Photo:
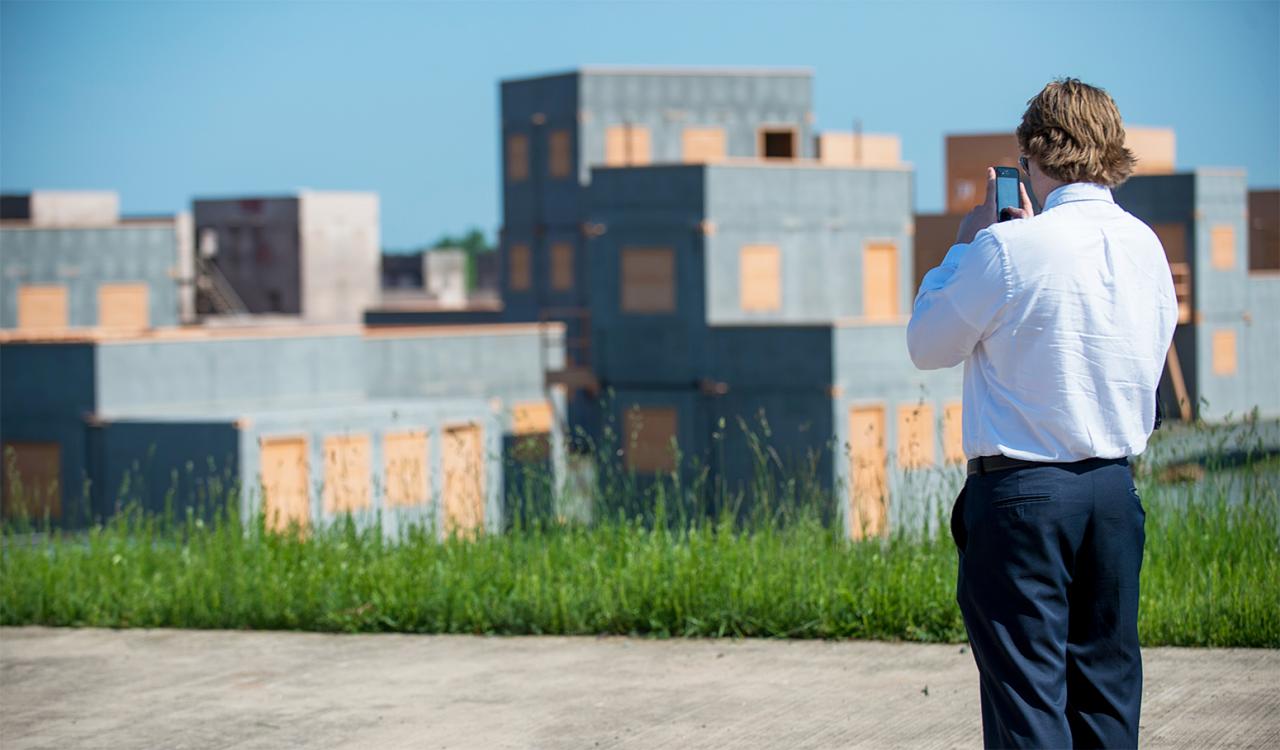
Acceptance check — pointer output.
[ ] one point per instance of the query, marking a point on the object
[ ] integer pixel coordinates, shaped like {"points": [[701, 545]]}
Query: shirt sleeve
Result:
{"points": [[959, 303]]}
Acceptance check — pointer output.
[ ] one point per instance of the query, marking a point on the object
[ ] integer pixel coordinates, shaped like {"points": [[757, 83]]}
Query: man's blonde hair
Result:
{"points": [[1073, 132]]}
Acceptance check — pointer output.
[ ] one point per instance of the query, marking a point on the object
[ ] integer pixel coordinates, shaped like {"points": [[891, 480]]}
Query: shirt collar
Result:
{"points": [[1078, 191]]}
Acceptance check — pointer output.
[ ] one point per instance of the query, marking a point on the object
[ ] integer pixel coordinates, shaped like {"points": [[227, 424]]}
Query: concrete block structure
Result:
{"points": [[555, 128], [69, 262], [773, 294], [315, 255], [305, 423], [1228, 337]]}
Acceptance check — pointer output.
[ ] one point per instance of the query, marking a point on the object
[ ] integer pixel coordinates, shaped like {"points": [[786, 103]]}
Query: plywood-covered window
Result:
{"points": [[915, 436], [348, 473], [531, 423], [626, 145], [760, 278], [531, 418], [517, 157], [868, 465], [286, 478], [648, 435], [953, 433], [123, 306], [519, 267], [559, 153], [1224, 352], [702, 145], [462, 461], [32, 481], [405, 458], [648, 280], [42, 307], [880, 280], [562, 266], [1222, 247], [780, 142]]}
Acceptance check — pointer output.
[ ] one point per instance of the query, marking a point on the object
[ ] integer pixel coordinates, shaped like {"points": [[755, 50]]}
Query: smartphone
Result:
{"points": [[1006, 192]]}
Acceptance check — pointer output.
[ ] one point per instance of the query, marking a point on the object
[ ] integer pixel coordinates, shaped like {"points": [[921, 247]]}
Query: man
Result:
{"points": [[1062, 321]]}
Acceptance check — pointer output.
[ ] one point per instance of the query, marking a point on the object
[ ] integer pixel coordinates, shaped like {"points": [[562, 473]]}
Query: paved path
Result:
{"points": [[200, 689]]}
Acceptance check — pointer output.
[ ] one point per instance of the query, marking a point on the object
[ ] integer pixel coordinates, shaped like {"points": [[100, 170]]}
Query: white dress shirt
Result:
{"points": [[1062, 322]]}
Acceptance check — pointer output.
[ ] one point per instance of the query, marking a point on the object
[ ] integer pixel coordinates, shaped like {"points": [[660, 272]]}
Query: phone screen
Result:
{"points": [[1006, 191]]}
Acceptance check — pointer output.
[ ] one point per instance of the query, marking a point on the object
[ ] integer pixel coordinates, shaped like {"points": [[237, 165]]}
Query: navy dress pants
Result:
{"points": [[1048, 586]]}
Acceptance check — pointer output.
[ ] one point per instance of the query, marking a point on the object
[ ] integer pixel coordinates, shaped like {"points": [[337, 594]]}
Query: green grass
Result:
{"points": [[1211, 575]]}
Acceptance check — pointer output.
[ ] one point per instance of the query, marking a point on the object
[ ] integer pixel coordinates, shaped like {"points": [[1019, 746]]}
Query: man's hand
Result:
{"points": [[983, 215]]}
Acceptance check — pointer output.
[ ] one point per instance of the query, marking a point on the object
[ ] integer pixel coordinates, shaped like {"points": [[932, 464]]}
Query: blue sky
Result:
{"points": [[163, 101]]}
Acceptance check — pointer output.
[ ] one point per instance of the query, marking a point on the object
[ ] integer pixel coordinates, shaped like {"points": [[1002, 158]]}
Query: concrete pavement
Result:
{"points": [[62, 688]]}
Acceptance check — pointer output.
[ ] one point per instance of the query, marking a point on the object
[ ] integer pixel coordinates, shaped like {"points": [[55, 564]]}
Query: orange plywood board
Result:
{"points": [[869, 488], [859, 149], [627, 145], [1222, 247], [915, 436], [1225, 361], [880, 280], [405, 477], [347, 473], [953, 433], [123, 306], [42, 307], [760, 278], [702, 145], [286, 477], [532, 418], [462, 462]]}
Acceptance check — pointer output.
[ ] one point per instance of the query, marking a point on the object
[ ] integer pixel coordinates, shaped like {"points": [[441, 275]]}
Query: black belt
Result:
{"points": [[988, 464]]}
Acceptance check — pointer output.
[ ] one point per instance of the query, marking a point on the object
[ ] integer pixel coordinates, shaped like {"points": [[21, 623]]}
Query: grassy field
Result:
{"points": [[1211, 575]]}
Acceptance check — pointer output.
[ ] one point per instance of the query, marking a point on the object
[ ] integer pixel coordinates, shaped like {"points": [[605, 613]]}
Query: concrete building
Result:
{"points": [[737, 291], [304, 423], [315, 255], [555, 128], [1228, 338], [70, 261]]}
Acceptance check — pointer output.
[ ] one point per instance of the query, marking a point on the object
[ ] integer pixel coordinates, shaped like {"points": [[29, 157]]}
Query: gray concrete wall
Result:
{"points": [[83, 258], [246, 371], [1222, 200], [341, 254], [820, 218]]}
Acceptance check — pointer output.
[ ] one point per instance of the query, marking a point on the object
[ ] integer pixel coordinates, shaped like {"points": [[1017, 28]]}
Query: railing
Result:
{"points": [[216, 289]]}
